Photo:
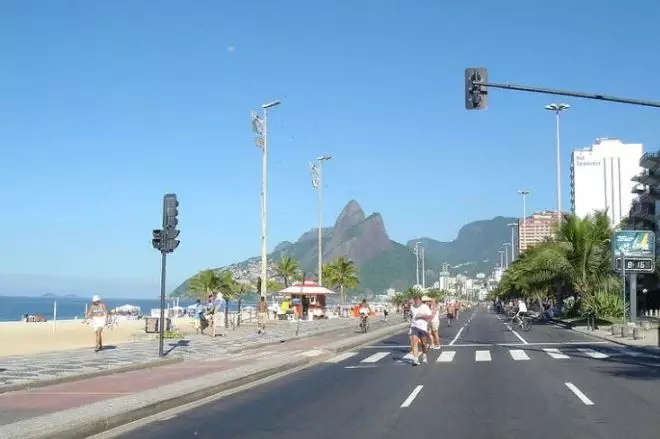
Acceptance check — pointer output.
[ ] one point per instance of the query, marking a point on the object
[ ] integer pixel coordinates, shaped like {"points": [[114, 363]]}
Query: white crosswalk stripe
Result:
{"points": [[482, 356], [593, 354], [519, 354], [485, 355], [375, 357], [446, 357], [341, 357], [556, 354]]}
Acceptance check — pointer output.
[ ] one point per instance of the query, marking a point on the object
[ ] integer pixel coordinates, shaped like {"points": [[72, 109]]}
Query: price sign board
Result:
{"points": [[634, 250]]}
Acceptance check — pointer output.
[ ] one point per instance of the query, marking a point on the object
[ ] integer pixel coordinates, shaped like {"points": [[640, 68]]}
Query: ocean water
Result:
{"points": [[12, 308]]}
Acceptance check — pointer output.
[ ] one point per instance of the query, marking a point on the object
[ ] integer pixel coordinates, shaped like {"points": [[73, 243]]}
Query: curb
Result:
{"points": [[620, 343], [84, 376]]}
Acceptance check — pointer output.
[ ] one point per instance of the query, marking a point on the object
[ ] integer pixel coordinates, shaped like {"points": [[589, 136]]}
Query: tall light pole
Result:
{"points": [[513, 240], [317, 183], [506, 255], [522, 241], [417, 262], [423, 270], [260, 128], [557, 109]]}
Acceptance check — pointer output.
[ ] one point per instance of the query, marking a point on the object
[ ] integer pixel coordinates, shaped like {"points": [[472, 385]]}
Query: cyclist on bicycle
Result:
{"points": [[522, 308], [364, 311]]}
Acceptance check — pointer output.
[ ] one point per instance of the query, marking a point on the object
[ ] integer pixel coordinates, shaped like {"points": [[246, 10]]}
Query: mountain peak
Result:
{"points": [[350, 216]]}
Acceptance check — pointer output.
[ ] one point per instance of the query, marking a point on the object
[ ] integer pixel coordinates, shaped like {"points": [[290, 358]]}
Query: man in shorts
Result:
{"points": [[419, 329], [434, 324]]}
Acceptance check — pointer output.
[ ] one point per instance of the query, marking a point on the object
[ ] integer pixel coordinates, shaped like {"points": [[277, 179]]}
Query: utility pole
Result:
{"points": [[260, 128], [317, 183]]}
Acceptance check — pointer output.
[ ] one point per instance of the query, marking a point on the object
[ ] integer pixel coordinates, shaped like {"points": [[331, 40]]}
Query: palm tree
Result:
{"points": [[204, 284], [343, 273], [287, 269], [242, 289], [229, 290]]}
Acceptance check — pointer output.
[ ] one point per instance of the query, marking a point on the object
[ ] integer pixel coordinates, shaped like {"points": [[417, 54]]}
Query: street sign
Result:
{"points": [[636, 248]]}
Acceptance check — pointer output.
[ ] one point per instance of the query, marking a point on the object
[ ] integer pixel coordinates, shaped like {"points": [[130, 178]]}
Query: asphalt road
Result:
{"points": [[487, 382]]}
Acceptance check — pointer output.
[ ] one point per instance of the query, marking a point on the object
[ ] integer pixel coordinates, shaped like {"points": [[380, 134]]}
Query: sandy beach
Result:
{"points": [[19, 338]]}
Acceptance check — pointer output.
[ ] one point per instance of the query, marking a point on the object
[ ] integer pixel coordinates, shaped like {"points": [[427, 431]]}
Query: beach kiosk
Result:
{"points": [[308, 299]]}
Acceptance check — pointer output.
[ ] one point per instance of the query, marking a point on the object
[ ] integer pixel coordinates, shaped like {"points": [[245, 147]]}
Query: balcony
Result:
{"points": [[647, 178], [650, 160]]}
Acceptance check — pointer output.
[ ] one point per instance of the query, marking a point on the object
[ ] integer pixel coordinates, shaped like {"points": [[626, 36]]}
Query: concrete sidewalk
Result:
{"points": [[650, 341], [35, 370], [85, 407]]}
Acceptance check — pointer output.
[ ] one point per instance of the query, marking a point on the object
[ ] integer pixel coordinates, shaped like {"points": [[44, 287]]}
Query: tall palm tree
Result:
{"points": [[287, 269], [229, 290], [204, 284], [343, 273]]}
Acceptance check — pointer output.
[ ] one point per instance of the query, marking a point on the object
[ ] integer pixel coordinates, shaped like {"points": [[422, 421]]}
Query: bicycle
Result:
{"points": [[520, 322], [364, 324]]}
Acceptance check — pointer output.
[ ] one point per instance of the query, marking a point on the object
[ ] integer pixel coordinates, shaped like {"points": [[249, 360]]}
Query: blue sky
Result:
{"points": [[106, 106]]}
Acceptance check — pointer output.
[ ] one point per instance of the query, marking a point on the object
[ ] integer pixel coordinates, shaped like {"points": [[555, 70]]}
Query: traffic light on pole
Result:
{"points": [[476, 94], [170, 221], [157, 240]]}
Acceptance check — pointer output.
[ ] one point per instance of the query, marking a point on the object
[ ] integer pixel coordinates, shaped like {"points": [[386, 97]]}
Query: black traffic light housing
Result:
{"points": [[476, 95], [164, 239]]}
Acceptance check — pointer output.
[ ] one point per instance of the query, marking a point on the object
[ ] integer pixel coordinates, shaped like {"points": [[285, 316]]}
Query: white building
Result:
{"points": [[601, 178]]}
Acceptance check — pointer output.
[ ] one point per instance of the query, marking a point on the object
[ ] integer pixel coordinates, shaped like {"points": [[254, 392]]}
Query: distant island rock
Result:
{"points": [[69, 295]]}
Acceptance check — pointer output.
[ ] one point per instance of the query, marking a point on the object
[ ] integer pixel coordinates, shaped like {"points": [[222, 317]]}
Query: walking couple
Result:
{"points": [[425, 323]]}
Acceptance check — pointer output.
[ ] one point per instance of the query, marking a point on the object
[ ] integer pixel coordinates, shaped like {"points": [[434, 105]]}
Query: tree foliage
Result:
{"points": [[577, 261], [342, 273]]}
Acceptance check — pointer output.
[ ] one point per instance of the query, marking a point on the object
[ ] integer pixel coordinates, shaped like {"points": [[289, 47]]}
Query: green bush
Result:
{"points": [[603, 304]]}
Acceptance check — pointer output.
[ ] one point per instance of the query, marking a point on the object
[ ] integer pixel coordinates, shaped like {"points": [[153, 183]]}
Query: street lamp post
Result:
{"points": [[557, 109], [317, 183], [417, 263], [423, 270], [522, 241], [513, 240], [260, 127]]}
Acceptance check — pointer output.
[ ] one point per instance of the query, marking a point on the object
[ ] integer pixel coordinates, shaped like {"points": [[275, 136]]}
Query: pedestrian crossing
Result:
{"points": [[449, 355]]}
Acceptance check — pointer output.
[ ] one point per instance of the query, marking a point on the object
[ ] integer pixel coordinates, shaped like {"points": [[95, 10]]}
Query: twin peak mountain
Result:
{"points": [[384, 263]]}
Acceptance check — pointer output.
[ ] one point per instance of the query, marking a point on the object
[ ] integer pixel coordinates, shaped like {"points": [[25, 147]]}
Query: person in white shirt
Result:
{"points": [[522, 308], [419, 329], [364, 312], [434, 324]]}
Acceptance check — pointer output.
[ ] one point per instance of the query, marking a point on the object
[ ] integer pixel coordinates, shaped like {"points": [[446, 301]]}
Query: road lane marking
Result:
{"points": [[628, 352], [593, 354], [313, 353], [556, 354], [519, 354], [579, 394], [375, 357], [482, 356], [555, 343], [458, 334], [516, 334], [364, 366], [341, 357], [412, 396], [446, 357]]}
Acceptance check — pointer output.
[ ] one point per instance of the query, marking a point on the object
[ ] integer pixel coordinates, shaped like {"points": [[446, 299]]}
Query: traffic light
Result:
{"points": [[476, 95], [170, 221], [157, 239], [170, 211]]}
